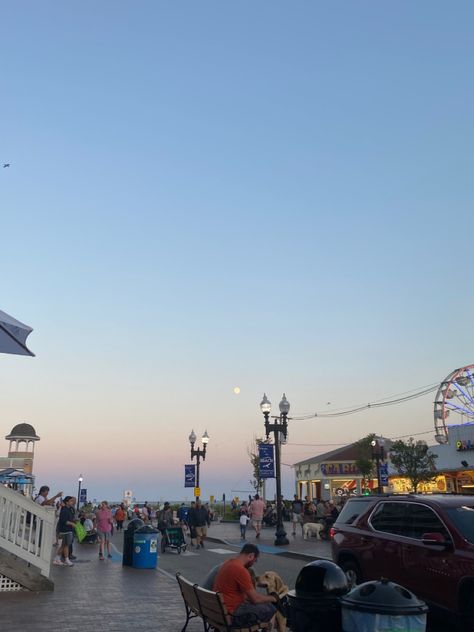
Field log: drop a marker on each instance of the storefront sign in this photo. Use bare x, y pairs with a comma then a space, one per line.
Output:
462, 446
336, 469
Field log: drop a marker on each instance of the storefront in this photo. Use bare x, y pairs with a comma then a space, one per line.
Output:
331, 475
455, 460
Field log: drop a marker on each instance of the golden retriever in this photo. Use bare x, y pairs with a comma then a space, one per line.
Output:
273, 583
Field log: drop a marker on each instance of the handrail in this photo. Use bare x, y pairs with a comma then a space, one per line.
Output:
26, 529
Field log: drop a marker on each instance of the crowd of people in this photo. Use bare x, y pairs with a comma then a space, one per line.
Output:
260, 513
96, 525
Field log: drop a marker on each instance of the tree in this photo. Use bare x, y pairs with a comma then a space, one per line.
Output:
413, 460
252, 450
364, 461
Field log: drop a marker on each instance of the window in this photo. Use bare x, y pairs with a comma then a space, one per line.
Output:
390, 517
352, 510
422, 519
463, 518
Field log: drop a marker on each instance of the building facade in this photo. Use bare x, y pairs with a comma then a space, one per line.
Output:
334, 474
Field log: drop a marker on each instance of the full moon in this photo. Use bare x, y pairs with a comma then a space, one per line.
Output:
236, 390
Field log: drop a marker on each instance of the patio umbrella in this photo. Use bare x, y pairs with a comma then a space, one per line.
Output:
13, 335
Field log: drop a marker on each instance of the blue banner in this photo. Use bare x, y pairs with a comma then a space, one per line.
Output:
83, 498
383, 474
190, 475
266, 460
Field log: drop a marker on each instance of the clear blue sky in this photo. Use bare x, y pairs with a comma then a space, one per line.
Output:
203, 195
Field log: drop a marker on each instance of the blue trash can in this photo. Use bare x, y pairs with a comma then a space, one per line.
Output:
145, 547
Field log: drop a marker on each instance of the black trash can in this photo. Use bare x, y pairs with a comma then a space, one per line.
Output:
145, 547
382, 605
133, 525
314, 603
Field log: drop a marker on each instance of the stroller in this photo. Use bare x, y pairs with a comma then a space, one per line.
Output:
172, 538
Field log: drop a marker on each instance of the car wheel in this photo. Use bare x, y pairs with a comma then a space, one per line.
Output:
352, 571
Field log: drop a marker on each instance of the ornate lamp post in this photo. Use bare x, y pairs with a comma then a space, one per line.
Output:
280, 429
198, 453
79, 480
378, 455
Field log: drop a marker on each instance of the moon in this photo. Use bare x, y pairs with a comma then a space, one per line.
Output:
236, 390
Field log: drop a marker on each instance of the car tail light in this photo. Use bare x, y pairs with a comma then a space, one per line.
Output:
332, 531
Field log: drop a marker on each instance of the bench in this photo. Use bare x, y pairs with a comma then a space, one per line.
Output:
210, 607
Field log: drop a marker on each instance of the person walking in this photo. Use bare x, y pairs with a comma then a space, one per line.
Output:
297, 513
65, 529
243, 520
120, 516
198, 517
104, 528
309, 510
256, 511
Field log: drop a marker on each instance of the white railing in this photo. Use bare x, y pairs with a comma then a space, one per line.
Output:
26, 529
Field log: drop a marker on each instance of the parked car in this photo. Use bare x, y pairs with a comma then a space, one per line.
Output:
422, 542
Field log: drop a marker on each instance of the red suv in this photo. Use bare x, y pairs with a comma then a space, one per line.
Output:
425, 543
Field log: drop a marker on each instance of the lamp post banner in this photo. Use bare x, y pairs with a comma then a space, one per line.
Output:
266, 460
83, 496
190, 475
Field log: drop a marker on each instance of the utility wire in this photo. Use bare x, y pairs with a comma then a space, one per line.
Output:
375, 404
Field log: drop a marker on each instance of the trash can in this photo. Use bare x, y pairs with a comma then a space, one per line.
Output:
382, 605
127, 556
313, 606
145, 547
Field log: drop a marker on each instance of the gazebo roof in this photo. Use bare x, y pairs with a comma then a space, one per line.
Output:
23, 431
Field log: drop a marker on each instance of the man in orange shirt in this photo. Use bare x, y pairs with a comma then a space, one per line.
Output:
233, 581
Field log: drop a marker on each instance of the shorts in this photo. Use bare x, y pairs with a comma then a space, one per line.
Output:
66, 538
256, 523
104, 535
248, 614
201, 532
297, 518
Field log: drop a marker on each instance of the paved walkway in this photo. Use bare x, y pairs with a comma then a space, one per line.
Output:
229, 533
107, 596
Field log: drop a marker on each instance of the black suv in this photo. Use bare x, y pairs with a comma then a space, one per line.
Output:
423, 542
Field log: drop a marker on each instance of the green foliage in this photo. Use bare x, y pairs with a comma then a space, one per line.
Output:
413, 460
364, 461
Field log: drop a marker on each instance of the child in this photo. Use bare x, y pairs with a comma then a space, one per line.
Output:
244, 520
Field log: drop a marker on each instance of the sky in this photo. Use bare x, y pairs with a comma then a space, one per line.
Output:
275, 196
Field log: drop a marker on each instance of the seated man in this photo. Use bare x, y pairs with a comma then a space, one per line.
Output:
88, 524
234, 582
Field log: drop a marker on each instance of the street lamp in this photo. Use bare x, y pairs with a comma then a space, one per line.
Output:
279, 426
198, 453
79, 480
378, 455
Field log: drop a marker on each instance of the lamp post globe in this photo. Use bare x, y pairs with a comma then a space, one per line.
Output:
192, 437
284, 405
265, 405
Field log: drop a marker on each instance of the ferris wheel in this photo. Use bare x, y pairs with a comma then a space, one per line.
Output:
455, 396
